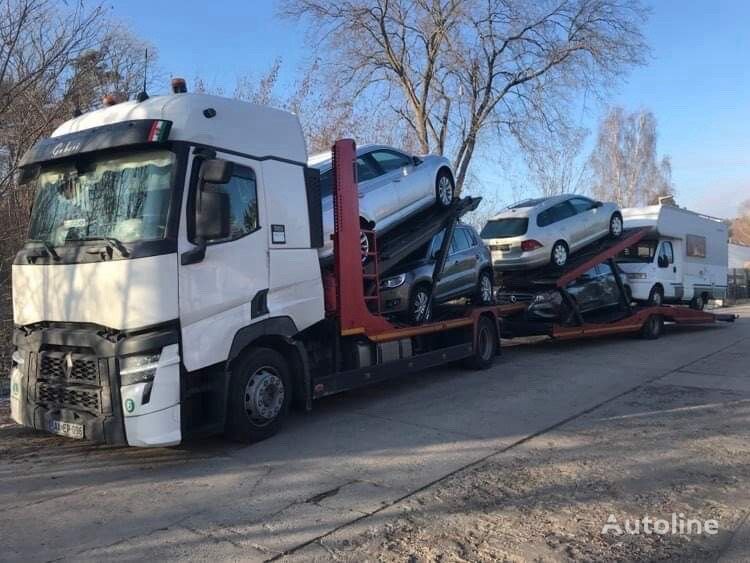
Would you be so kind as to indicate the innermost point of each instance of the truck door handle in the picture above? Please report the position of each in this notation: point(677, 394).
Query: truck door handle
point(674, 269)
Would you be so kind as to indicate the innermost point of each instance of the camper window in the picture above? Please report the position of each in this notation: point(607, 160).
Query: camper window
point(696, 246)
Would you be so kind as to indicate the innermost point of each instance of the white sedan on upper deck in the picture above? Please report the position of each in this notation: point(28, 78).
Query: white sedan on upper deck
point(392, 184)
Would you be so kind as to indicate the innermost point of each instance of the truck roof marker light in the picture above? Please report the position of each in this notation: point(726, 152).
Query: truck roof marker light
point(179, 86)
point(159, 131)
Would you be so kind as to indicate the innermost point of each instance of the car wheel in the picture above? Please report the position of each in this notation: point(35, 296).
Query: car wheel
point(444, 189)
point(653, 327)
point(615, 225)
point(420, 305)
point(560, 254)
point(260, 392)
point(698, 303)
point(656, 296)
point(484, 289)
point(486, 345)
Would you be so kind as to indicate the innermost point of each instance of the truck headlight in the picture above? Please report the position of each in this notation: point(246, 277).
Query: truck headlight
point(395, 281)
point(138, 369)
point(637, 276)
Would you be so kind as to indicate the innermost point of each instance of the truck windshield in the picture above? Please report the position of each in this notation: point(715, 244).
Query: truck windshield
point(505, 228)
point(124, 197)
point(644, 251)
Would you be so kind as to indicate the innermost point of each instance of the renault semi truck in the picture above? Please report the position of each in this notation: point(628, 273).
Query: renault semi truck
point(171, 285)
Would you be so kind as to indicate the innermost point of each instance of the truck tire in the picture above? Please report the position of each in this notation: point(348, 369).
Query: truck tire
point(653, 327)
point(444, 188)
point(486, 347)
point(260, 392)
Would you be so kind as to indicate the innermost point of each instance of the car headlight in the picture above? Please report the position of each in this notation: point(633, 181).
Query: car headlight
point(395, 281)
point(637, 276)
point(138, 369)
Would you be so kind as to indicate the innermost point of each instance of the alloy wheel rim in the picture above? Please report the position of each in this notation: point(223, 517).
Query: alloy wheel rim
point(561, 256)
point(264, 395)
point(445, 190)
point(421, 301)
point(616, 226)
point(486, 289)
point(364, 244)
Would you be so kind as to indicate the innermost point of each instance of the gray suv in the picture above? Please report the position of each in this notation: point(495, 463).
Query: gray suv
point(467, 273)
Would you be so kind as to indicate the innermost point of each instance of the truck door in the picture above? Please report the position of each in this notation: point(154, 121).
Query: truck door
point(217, 292)
point(667, 271)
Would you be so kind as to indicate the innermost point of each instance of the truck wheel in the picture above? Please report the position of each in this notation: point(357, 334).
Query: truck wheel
point(260, 392)
point(615, 225)
point(444, 189)
point(698, 303)
point(656, 297)
point(653, 327)
point(560, 253)
point(486, 346)
point(484, 290)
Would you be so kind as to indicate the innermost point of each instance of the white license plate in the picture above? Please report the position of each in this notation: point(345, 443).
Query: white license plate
point(69, 429)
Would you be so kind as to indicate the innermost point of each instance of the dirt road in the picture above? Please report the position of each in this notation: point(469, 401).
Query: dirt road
point(526, 460)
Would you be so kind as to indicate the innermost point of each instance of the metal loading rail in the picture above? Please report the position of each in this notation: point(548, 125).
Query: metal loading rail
point(578, 263)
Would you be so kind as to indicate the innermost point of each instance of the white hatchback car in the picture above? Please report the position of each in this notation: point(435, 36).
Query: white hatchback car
point(392, 186)
point(536, 232)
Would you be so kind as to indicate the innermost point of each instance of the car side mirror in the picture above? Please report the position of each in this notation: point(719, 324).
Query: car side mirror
point(216, 171)
point(416, 161)
point(597, 204)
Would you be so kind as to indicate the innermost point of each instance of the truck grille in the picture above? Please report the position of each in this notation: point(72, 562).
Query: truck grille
point(58, 367)
point(76, 398)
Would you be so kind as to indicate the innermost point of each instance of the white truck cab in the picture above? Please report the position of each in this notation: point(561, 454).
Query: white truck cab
point(683, 259)
point(165, 235)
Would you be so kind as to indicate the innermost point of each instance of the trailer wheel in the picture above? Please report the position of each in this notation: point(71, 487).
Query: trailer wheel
point(653, 327)
point(444, 188)
point(260, 392)
point(486, 346)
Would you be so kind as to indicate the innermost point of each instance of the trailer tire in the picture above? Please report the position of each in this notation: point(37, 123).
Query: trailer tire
point(260, 392)
point(653, 327)
point(486, 345)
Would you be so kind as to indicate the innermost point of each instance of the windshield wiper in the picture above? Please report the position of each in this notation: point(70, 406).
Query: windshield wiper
point(116, 243)
point(48, 247)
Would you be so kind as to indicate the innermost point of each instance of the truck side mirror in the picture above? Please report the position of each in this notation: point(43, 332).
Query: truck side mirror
point(662, 261)
point(212, 214)
point(217, 171)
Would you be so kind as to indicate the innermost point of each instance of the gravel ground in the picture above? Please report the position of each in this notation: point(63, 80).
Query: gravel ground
point(663, 449)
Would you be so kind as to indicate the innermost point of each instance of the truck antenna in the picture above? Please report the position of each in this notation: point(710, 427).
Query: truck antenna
point(142, 95)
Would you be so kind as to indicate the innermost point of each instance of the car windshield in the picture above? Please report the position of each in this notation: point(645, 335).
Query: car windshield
point(644, 251)
point(122, 197)
point(505, 228)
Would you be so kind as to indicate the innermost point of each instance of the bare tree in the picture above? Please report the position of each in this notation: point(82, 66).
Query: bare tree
point(555, 166)
point(456, 71)
point(739, 231)
point(624, 161)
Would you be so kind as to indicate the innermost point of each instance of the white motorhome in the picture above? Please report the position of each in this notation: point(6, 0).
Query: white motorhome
point(683, 260)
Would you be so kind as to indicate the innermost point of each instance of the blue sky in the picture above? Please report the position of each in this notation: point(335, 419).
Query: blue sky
point(697, 82)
